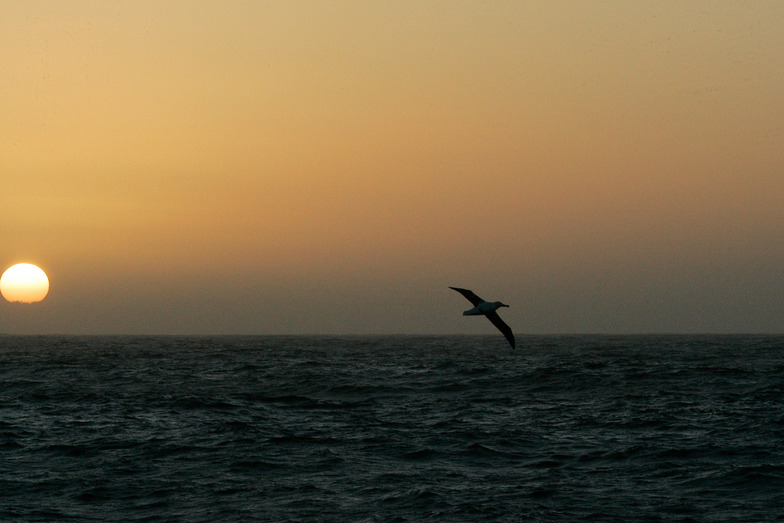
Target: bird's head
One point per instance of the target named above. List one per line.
(501, 304)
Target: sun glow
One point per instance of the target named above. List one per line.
(24, 283)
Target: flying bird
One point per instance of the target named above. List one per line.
(487, 308)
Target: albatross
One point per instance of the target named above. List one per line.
(487, 308)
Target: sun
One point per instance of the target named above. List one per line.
(24, 283)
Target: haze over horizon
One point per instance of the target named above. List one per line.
(240, 167)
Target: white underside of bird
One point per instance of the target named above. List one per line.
(484, 308)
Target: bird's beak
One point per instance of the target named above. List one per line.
(504, 305)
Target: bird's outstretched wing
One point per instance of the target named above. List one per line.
(470, 296)
(503, 327)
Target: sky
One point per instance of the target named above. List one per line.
(253, 167)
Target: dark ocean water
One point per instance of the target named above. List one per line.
(396, 428)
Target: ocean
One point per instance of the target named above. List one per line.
(391, 428)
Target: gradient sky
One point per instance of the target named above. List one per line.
(331, 167)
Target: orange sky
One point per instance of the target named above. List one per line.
(331, 167)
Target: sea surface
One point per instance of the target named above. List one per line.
(392, 428)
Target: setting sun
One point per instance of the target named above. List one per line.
(25, 283)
